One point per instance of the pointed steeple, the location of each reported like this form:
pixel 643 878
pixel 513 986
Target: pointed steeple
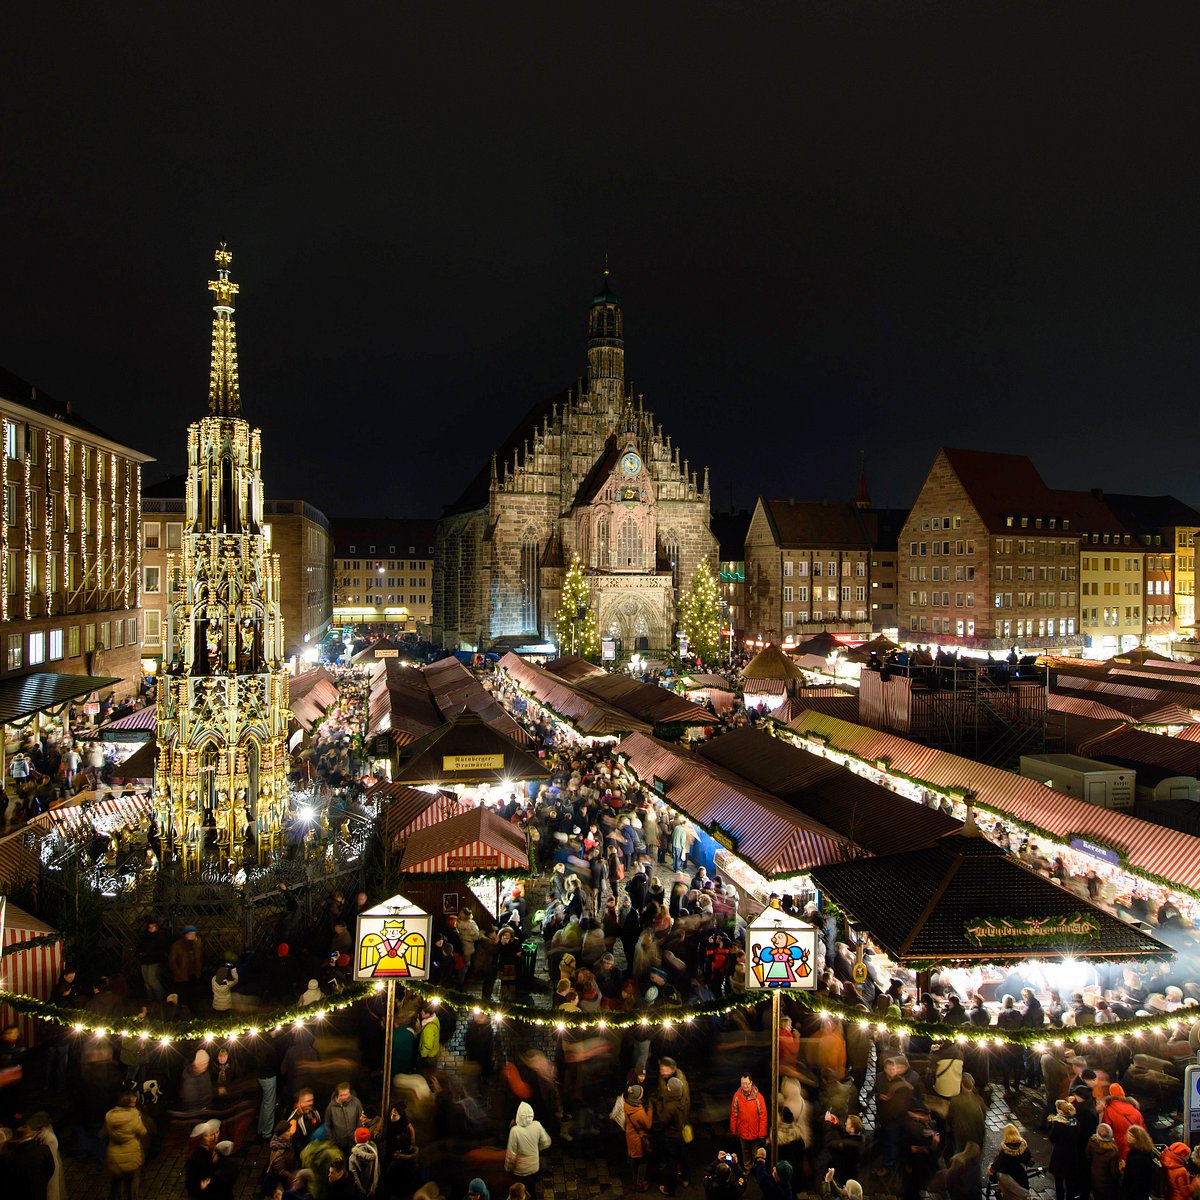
pixel 862 498
pixel 224 394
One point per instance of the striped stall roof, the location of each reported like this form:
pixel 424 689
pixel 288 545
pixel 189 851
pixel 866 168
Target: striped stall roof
pixel 144 720
pixel 766 687
pixel 408 809
pixel 19 863
pixel 1149 849
pixel 586 714
pixel 774 838
pixel 101 804
pixel 1137 749
pixel 29 972
pixel 1079 707
pixel 476 840
pixel 1190 733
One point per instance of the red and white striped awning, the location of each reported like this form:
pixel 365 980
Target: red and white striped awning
pixel 29 972
pixel 136 726
pixel 476 840
pixel 121 808
pixel 406 810
pixel 1150 849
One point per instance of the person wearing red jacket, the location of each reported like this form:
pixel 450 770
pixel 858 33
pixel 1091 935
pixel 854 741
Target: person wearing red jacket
pixel 1120 1113
pixel 1178 1183
pixel 748 1120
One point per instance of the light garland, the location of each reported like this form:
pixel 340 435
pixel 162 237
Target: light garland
pixel 29 581
pixel 66 521
pixel 1156 1026
pixel 112 522
pixel 47 526
pixel 5 518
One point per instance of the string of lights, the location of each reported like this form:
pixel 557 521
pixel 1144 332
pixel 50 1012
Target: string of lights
pixel 208 1030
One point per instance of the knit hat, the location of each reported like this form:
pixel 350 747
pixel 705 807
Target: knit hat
pixel 206 1127
pixel 675 1086
pixel 362 1134
pixel 477 1188
pixel 1104 1132
pixel 1115 1089
pixel 634 1094
pixel 784 1169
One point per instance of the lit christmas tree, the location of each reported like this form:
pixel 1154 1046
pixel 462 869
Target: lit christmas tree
pixel 577 632
pixel 700 615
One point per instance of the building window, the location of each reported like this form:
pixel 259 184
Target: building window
pixel 153 627
pixel 37 647
pixel 13 656
pixel 118 634
pixel 89 639
pixel 174 535
pixel 629 544
pixel 788 566
pixel 787 594
pixel 131 636
pixel 73 642
pixel 56 644
pixel 105 635
pixel 151 580
pixel 787 619
pixel 150 534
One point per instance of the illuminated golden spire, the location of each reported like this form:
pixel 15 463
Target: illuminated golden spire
pixel 224 396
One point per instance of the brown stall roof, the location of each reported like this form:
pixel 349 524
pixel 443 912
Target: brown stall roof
pixel 466 750
pixel 864 813
pixel 645 701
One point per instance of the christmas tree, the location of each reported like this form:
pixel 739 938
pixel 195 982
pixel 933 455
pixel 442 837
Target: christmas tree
pixel 577 632
pixel 700 615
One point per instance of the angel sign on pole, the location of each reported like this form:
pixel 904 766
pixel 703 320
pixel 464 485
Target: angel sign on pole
pixel 392 942
pixel 783 952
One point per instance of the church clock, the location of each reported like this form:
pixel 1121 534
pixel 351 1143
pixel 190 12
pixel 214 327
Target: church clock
pixel 631 464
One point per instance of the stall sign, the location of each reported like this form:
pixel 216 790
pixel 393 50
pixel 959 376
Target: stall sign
pixel 783 952
pixel 724 838
pixel 859 972
pixel 1033 930
pixel 381 745
pixel 91 710
pixel 1104 853
pixel 391 653
pixel 472 762
pixel 482 862
pixel 392 942
pixel 659 784
pixel 608 650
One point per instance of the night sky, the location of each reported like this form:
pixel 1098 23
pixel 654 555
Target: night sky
pixel 834 228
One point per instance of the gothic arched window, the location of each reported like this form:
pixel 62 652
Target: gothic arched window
pixel 602 545
pixel 629 545
pixel 530 563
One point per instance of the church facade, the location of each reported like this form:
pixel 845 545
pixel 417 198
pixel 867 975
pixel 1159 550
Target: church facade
pixel 588 472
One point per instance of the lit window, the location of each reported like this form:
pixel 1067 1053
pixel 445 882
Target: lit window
pixel 56 644
pixel 37 648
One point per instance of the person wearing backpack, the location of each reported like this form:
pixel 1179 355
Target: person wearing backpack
pixel 1177 1180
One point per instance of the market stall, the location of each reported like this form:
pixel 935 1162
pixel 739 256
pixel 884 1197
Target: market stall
pixel 33 957
pixel 768 676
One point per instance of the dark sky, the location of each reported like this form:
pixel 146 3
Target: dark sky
pixel 834 227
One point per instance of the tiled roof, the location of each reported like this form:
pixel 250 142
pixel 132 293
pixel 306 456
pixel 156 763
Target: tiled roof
pixel 1143 514
pixel 813 523
pixel 917 905
pixel 382 533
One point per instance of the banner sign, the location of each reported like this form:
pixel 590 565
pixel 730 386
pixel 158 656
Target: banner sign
pixel 472 762
pixel 1104 853
pixel 1032 930
pixel 392 942
pixel 783 952
pixel 390 653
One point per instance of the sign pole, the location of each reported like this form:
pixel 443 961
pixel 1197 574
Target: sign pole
pixel 774 1076
pixel 389 1027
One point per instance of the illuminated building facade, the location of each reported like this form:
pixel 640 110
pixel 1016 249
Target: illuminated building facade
pixel 223 695
pixel 587 472
pixel 70 600
pixel 383 574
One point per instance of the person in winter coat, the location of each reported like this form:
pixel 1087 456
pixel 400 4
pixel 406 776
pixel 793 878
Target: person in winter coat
pixel 526 1141
pixel 774 1183
pixel 195 1087
pixel 670 1116
pixel 364 1163
pixel 1177 1181
pixel 748 1120
pixel 966 1119
pixel 793 1133
pixel 1013 1159
pixel 341 1117
pixel 223 983
pixel 637 1134
pixel 125 1130
pixel 1104 1163
pixel 1063 1132
pixel 1137 1171
pixel 1121 1113
pixel 429 1043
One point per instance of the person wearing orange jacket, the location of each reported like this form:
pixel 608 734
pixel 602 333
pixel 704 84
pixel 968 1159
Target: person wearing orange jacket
pixel 748 1120
pixel 1177 1181
pixel 1119 1113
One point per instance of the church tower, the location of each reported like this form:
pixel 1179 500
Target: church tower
pixel 606 349
pixel 223 698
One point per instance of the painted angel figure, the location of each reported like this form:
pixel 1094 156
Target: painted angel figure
pixel 781 964
pixel 392 953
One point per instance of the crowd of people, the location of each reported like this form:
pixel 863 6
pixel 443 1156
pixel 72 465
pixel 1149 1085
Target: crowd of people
pixel 624 917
